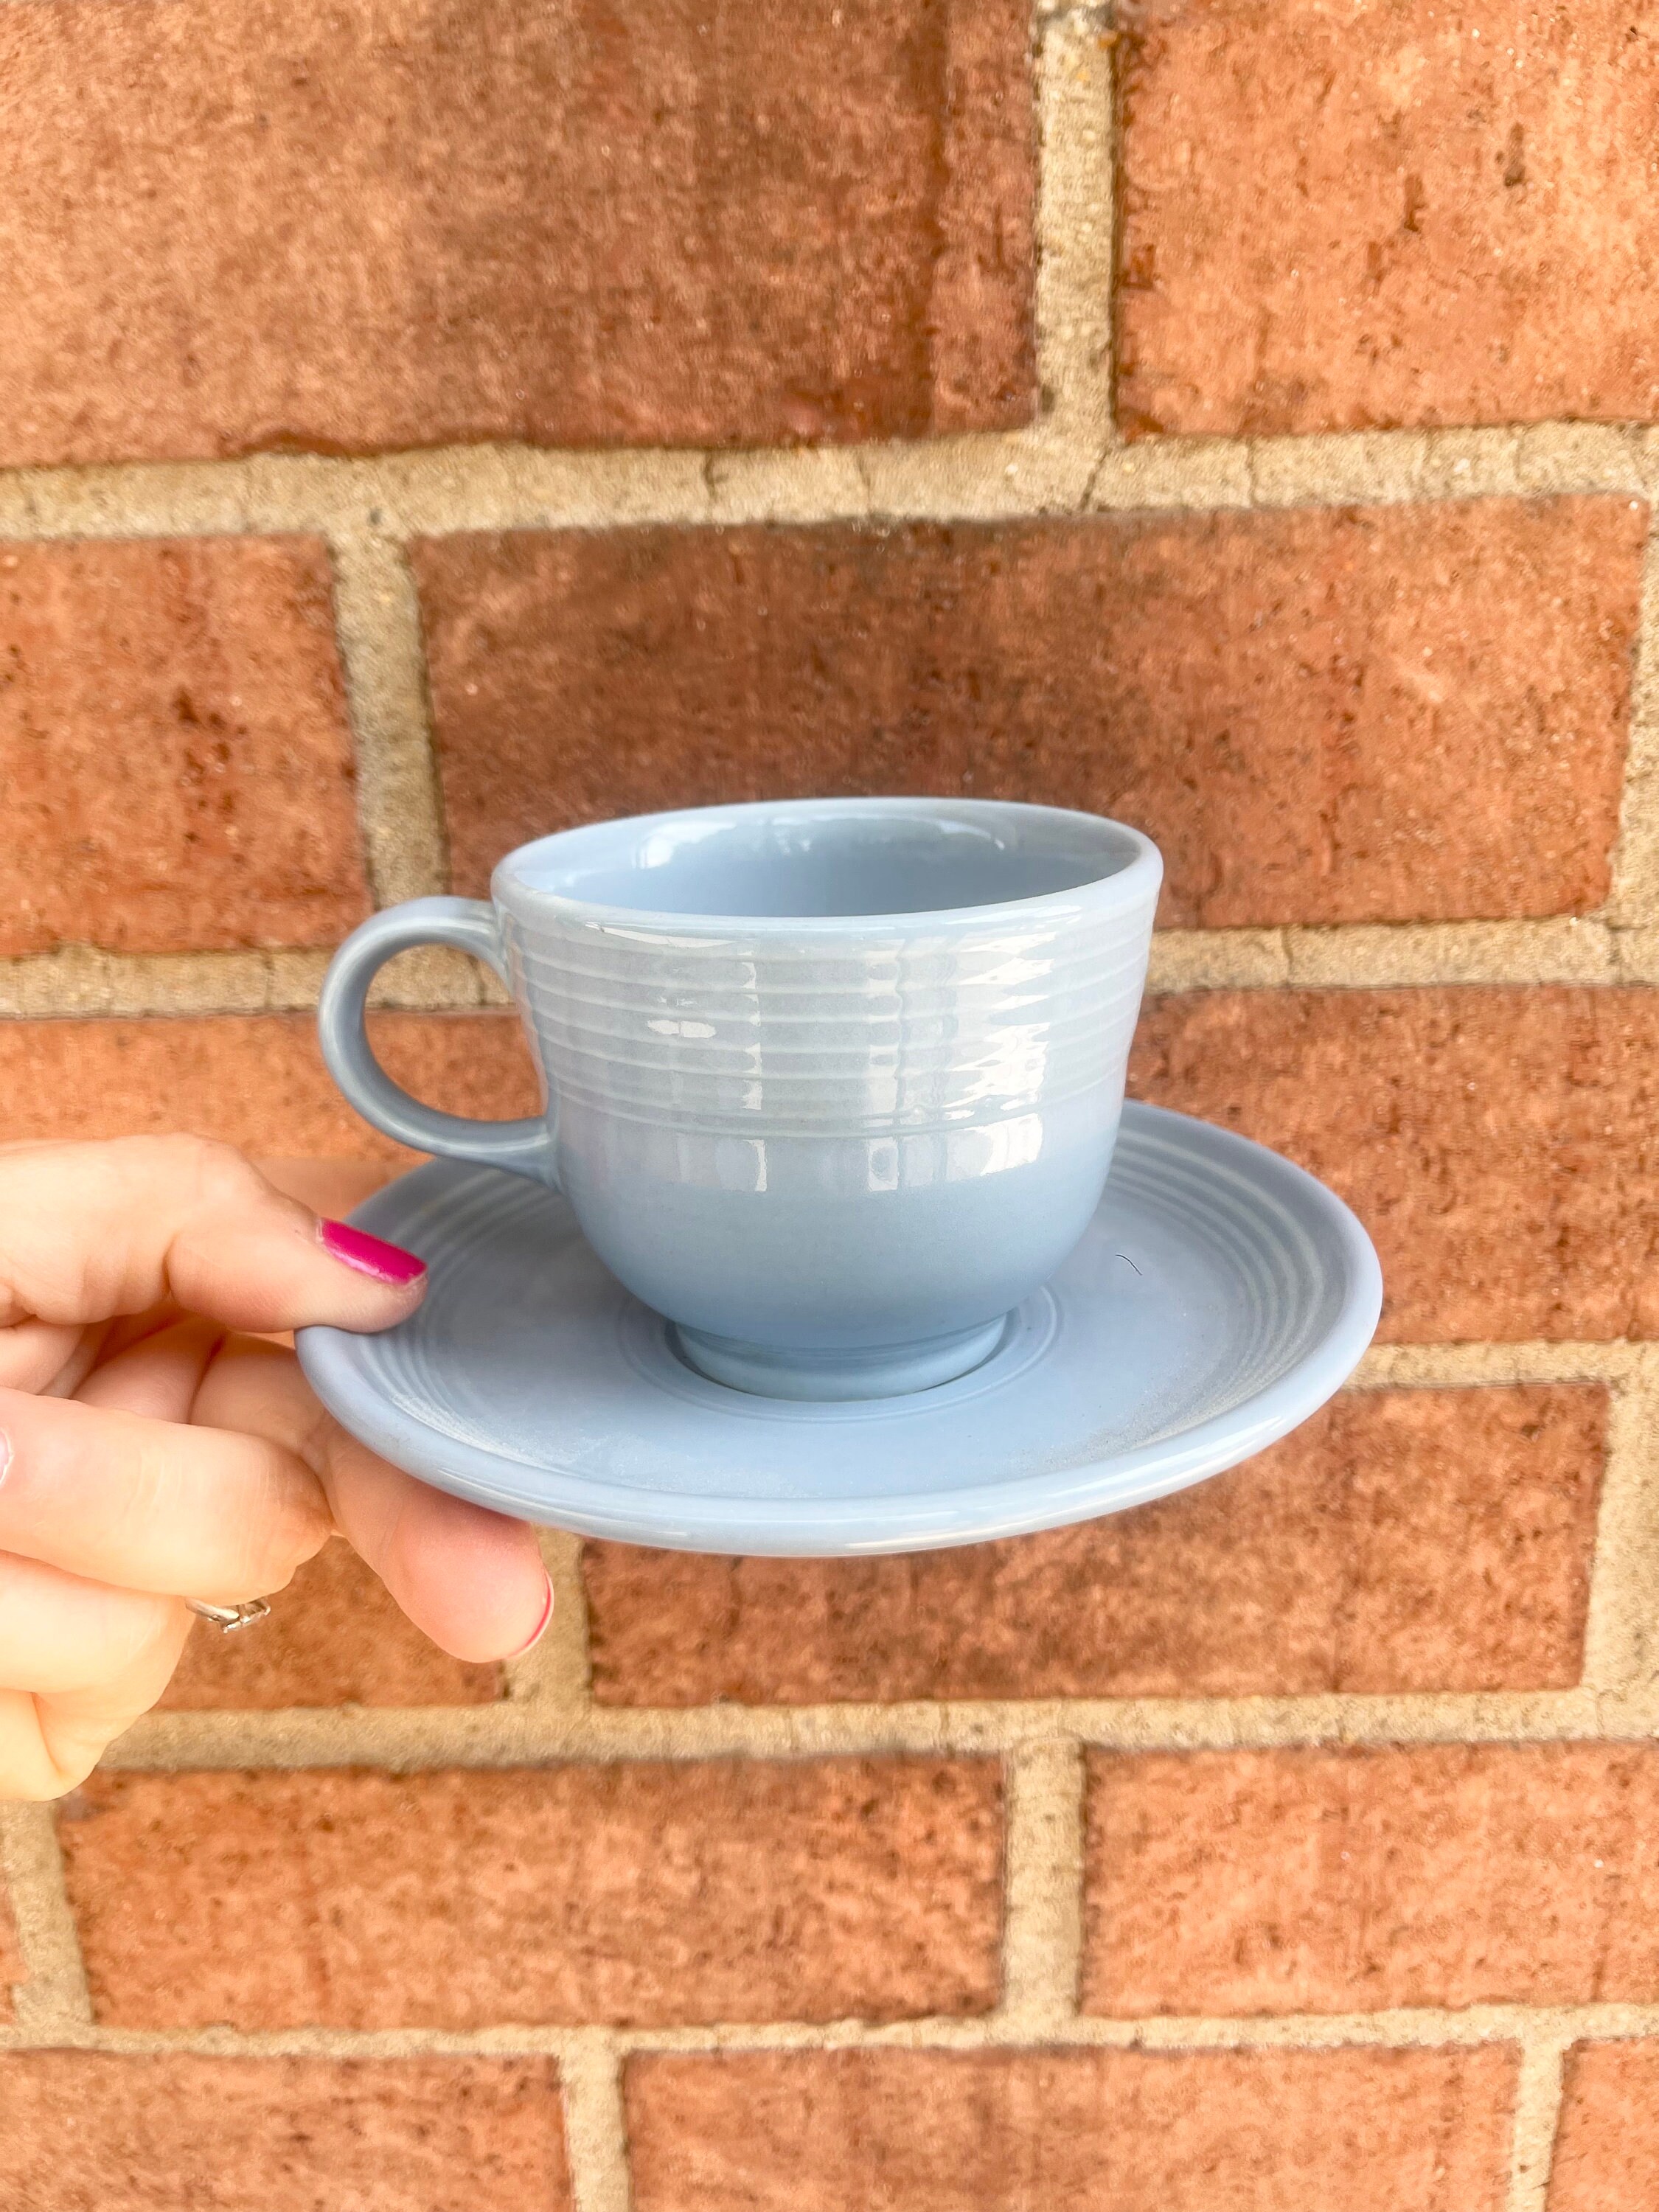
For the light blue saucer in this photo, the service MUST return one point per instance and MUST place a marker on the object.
(1217, 1297)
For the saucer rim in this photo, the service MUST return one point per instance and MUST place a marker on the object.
(866, 1526)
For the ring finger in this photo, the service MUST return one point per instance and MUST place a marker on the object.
(61, 1634)
(80, 1662)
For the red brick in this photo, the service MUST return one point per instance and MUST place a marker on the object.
(1412, 1540)
(397, 222)
(173, 747)
(1390, 714)
(12, 1968)
(82, 2131)
(1500, 1145)
(1070, 2131)
(255, 1080)
(334, 1636)
(1344, 214)
(1331, 1880)
(1606, 2146)
(633, 1894)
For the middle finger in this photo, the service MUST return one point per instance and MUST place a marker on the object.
(472, 1579)
(152, 1504)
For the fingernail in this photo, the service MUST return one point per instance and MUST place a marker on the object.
(5, 1462)
(541, 1626)
(369, 1256)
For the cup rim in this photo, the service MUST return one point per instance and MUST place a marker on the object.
(1124, 889)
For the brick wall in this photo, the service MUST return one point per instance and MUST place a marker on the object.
(420, 425)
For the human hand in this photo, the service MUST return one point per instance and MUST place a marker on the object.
(153, 1450)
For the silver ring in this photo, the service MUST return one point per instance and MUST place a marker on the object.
(226, 1617)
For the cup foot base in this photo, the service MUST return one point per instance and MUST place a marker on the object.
(885, 1372)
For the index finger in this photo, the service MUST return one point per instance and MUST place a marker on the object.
(88, 1232)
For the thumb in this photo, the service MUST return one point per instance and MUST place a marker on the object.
(89, 1232)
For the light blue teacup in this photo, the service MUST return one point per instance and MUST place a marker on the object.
(832, 1083)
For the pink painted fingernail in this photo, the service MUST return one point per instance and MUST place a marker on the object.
(369, 1256)
(541, 1626)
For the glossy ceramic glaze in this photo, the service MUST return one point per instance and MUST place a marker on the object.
(1217, 1295)
(832, 1084)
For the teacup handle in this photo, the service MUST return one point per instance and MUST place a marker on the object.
(527, 1146)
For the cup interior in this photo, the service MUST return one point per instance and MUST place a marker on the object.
(832, 858)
